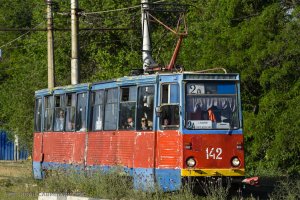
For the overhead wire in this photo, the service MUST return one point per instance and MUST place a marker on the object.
(118, 9)
(8, 43)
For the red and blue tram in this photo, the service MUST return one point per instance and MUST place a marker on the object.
(159, 128)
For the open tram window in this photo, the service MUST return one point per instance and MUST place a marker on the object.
(145, 108)
(111, 109)
(127, 108)
(169, 116)
(211, 105)
(48, 115)
(59, 113)
(97, 104)
(70, 111)
(38, 115)
(81, 112)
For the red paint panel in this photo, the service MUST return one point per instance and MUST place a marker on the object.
(64, 147)
(37, 147)
(125, 148)
(102, 148)
(169, 149)
(144, 150)
(213, 150)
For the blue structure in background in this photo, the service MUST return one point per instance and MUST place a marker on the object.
(8, 148)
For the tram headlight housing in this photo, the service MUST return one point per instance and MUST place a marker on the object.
(190, 162)
(235, 162)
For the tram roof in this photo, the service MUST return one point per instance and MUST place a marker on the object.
(137, 79)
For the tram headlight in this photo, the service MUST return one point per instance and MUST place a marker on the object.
(191, 162)
(235, 162)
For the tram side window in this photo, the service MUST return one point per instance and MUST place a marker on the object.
(70, 111)
(38, 115)
(59, 113)
(97, 102)
(127, 108)
(169, 118)
(48, 116)
(145, 108)
(111, 109)
(81, 112)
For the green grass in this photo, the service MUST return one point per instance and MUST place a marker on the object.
(16, 183)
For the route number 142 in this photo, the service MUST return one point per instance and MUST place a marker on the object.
(214, 153)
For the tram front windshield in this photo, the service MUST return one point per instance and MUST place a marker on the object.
(212, 105)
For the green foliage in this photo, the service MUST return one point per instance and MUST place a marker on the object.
(258, 39)
(287, 189)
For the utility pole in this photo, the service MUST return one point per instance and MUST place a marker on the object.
(148, 61)
(74, 35)
(51, 67)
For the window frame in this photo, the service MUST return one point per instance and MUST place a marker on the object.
(116, 109)
(215, 95)
(40, 114)
(140, 108)
(84, 126)
(169, 104)
(46, 109)
(92, 105)
(66, 111)
(62, 107)
(122, 125)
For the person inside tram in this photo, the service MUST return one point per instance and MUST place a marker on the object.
(60, 121)
(166, 122)
(130, 124)
(211, 114)
(144, 124)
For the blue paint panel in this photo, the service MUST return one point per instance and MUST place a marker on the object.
(59, 91)
(2, 145)
(81, 168)
(237, 131)
(174, 97)
(103, 85)
(77, 88)
(143, 179)
(168, 78)
(71, 88)
(136, 80)
(61, 166)
(43, 92)
(9, 155)
(107, 169)
(168, 179)
(226, 88)
(37, 170)
(23, 155)
(7, 149)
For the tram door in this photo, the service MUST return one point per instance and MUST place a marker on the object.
(169, 139)
(38, 139)
(144, 144)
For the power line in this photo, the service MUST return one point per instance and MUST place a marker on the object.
(20, 36)
(115, 10)
(63, 29)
